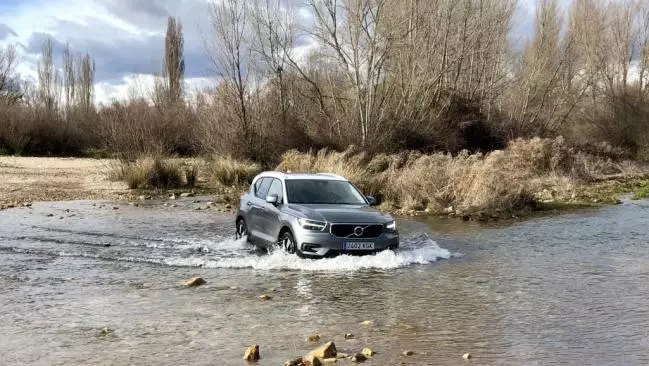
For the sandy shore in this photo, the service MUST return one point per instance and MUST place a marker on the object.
(27, 179)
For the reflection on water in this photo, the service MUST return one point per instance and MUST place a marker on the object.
(563, 290)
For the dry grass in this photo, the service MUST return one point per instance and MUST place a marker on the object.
(147, 172)
(191, 174)
(227, 171)
(164, 174)
(503, 181)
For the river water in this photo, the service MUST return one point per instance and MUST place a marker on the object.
(565, 290)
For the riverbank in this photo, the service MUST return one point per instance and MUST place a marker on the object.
(25, 180)
(526, 177)
(529, 177)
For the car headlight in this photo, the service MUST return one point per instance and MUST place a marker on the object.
(391, 226)
(312, 224)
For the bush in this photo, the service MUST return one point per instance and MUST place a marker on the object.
(147, 173)
(500, 181)
(164, 174)
(191, 175)
(230, 172)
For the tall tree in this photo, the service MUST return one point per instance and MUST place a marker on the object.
(174, 62)
(273, 26)
(69, 80)
(85, 83)
(48, 79)
(230, 53)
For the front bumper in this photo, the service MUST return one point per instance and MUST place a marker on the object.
(323, 244)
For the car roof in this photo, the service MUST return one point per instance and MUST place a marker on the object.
(295, 176)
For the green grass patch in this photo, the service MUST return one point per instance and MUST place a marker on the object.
(642, 193)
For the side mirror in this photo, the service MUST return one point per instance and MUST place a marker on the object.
(273, 199)
(371, 200)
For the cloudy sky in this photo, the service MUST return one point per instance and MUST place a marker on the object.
(125, 37)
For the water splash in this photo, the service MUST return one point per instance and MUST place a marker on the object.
(236, 254)
(415, 250)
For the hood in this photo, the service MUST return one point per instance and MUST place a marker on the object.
(341, 214)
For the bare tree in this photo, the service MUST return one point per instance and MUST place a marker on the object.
(357, 38)
(273, 24)
(85, 89)
(48, 79)
(10, 92)
(230, 53)
(69, 80)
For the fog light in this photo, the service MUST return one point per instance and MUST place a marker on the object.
(310, 247)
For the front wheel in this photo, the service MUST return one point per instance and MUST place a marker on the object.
(241, 229)
(287, 242)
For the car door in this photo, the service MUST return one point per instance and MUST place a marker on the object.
(269, 219)
(256, 206)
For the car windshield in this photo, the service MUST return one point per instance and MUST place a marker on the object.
(324, 192)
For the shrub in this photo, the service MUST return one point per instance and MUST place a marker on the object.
(191, 174)
(230, 172)
(500, 181)
(146, 172)
(136, 176)
(164, 174)
(641, 193)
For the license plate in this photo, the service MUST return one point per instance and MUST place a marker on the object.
(358, 245)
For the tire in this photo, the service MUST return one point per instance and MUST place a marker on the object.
(288, 244)
(241, 229)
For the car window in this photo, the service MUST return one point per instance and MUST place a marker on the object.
(276, 188)
(262, 191)
(255, 187)
(320, 191)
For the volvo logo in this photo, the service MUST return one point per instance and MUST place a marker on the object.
(358, 231)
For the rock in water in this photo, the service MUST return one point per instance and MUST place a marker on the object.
(106, 331)
(196, 281)
(294, 362)
(311, 360)
(467, 356)
(349, 336)
(252, 353)
(368, 352)
(313, 338)
(368, 323)
(408, 353)
(327, 350)
(264, 297)
(359, 357)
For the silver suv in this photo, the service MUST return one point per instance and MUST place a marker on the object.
(313, 215)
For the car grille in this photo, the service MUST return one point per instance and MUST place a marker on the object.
(347, 230)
